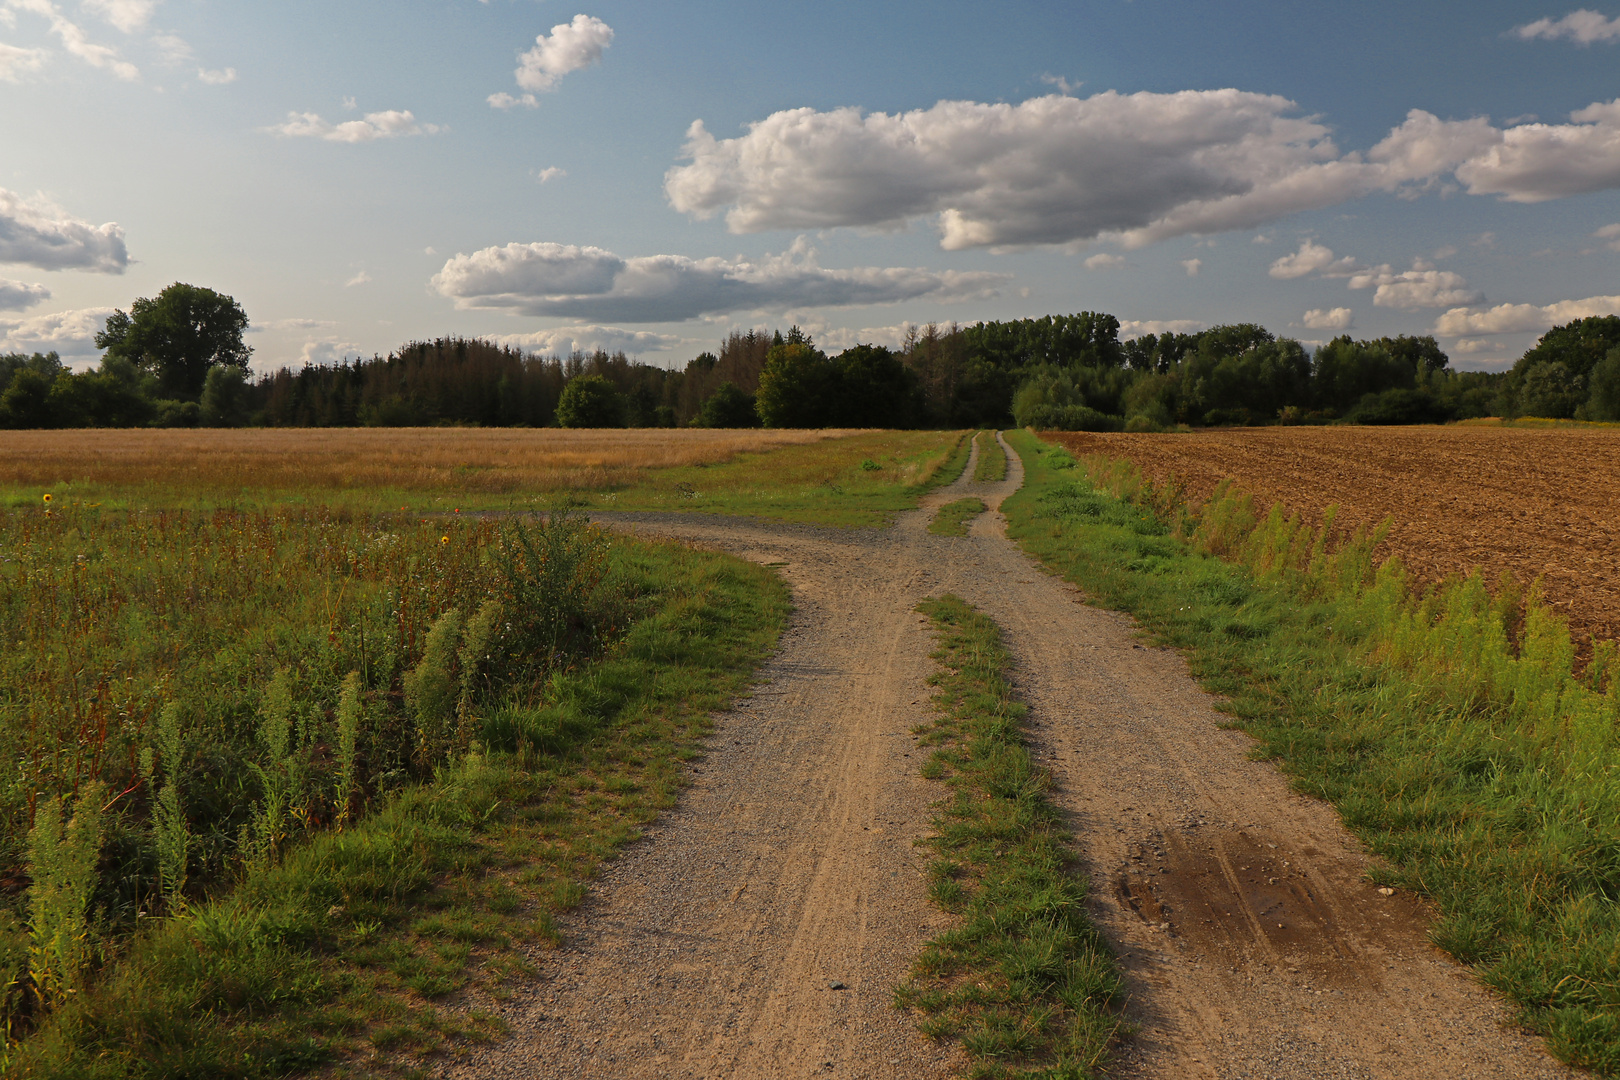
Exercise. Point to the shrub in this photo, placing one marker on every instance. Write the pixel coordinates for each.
(590, 401)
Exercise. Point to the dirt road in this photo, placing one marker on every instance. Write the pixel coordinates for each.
(759, 931)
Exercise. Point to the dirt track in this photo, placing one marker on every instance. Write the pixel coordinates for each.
(1537, 503)
(1253, 945)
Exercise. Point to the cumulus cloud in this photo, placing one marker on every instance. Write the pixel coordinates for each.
(1130, 329)
(1420, 287)
(1312, 258)
(1339, 318)
(75, 41)
(40, 234)
(359, 279)
(69, 333)
(566, 339)
(1522, 318)
(19, 295)
(1103, 261)
(216, 78)
(588, 283)
(128, 15)
(549, 173)
(1192, 266)
(1138, 168)
(327, 351)
(1611, 233)
(16, 62)
(378, 125)
(1584, 27)
(571, 46)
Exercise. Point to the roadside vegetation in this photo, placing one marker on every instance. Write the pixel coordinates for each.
(953, 518)
(325, 778)
(1451, 727)
(1024, 982)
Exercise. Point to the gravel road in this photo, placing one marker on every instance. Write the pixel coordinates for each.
(760, 928)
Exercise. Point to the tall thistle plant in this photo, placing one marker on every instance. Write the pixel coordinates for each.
(430, 689)
(62, 862)
(169, 828)
(279, 776)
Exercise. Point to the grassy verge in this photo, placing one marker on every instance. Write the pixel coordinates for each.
(1450, 729)
(992, 465)
(952, 518)
(860, 479)
(375, 947)
(1025, 982)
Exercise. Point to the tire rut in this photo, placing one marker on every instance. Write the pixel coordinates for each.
(1253, 944)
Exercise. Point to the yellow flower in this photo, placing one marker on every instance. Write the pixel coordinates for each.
(444, 539)
(47, 497)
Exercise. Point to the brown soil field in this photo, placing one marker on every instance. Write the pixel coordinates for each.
(462, 459)
(1541, 504)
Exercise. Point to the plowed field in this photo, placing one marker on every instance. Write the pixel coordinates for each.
(1539, 503)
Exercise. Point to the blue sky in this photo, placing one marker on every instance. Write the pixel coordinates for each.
(363, 174)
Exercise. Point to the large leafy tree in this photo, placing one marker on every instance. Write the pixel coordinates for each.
(179, 336)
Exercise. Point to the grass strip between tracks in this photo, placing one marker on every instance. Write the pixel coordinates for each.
(952, 518)
(992, 464)
(1450, 729)
(1024, 982)
(375, 949)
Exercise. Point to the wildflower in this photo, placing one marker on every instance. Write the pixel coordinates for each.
(47, 498)
(444, 539)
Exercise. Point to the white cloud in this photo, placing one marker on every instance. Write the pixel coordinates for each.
(1261, 238)
(1535, 162)
(327, 351)
(571, 46)
(359, 279)
(19, 295)
(503, 100)
(16, 62)
(590, 283)
(566, 339)
(378, 125)
(1420, 287)
(1192, 266)
(128, 15)
(40, 234)
(1137, 168)
(1522, 318)
(1584, 27)
(1103, 261)
(1312, 258)
(1130, 329)
(1611, 233)
(74, 40)
(69, 333)
(1339, 318)
(1474, 345)
(216, 78)
(174, 49)
(289, 324)
(549, 173)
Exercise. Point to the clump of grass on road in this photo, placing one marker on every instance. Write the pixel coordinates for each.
(1450, 727)
(992, 466)
(1025, 983)
(952, 518)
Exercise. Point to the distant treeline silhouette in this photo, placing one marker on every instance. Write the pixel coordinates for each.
(1066, 372)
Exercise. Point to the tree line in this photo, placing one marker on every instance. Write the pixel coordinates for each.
(179, 360)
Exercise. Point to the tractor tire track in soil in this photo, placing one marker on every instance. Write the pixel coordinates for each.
(760, 928)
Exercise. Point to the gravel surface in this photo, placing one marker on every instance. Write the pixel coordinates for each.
(760, 928)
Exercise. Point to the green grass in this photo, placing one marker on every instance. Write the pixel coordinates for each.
(1024, 982)
(377, 946)
(992, 464)
(1450, 728)
(859, 480)
(952, 519)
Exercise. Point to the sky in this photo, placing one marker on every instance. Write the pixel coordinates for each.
(651, 176)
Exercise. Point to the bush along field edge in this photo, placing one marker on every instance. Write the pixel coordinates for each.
(1025, 983)
(1451, 725)
(382, 935)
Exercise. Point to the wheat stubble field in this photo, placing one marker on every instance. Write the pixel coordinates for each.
(1536, 503)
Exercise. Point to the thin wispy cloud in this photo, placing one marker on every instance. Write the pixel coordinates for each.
(1584, 27)
(390, 124)
(74, 40)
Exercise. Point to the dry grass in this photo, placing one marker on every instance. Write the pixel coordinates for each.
(489, 461)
